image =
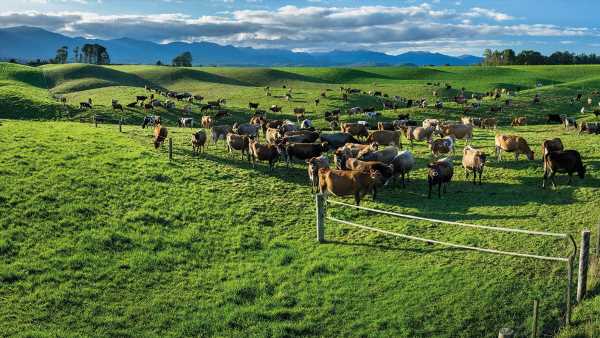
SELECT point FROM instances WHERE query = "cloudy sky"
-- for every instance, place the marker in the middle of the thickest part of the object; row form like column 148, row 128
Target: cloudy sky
column 449, row 26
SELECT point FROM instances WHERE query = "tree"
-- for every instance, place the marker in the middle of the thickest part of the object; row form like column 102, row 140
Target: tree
column 62, row 55
column 183, row 60
column 76, row 54
column 95, row 54
column 508, row 57
column 159, row 63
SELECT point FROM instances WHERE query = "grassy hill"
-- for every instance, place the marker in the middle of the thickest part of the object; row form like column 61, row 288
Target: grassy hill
column 101, row 235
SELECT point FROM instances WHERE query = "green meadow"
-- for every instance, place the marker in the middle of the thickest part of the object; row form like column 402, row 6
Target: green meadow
column 102, row 235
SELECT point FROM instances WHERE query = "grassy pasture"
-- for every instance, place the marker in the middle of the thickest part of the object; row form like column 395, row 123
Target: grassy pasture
column 101, row 235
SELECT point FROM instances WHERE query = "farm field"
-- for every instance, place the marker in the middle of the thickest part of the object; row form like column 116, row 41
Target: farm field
column 101, row 235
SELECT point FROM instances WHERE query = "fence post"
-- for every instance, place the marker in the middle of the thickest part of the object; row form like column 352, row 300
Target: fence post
column 584, row 258
column 506, row 332
column 170, row 148
column 120, row 125
column 95, row 122
column 320, row 203
column 570, row 281
column 534, row 329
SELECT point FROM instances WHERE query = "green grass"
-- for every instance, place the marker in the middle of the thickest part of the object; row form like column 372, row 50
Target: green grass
column 101, row 235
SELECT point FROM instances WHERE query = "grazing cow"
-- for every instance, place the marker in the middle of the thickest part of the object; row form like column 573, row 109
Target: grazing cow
column 85, row 105
column 458, row 131
column 519, row 121
column 386, row 170
column 336, row 140
column 160, row 134
column 141, row 98
column 440, row 173
column 473, row 160
column 385, row 137
column 512, row 144
column 314, row 164
column 238, row 142
column 275, row 109
column 553, row 118
column 247, row 129
column 403, row 163
column 442, row 146
column 152, row 119
column 263, row 152
column 564, row 162
column 253, row 105
column 489, row 123
column 221, row 114
column 219, row 132
column 349, row 183
column 198, row 98
column 185, row 122
column 589, row 127
column 385, row 155
column 554, row 144
column 198, row 141
column 207, row 122
column 302, row 151
column 417, row 133
column 355, row 129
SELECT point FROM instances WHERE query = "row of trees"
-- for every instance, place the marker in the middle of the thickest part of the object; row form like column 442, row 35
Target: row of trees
column 531, row 57
column 183, row 60
column 89, row 53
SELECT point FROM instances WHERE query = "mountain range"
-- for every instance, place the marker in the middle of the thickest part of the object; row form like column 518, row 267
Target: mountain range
column 29, row 43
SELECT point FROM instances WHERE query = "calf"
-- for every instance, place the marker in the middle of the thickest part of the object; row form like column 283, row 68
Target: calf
column 238, row 142
column 349, row 183
column 512, row 144
column 198, row 141
column 473, row 160
column 440, row 173
column 314, row 164
column 263, row 152
column 565, row 162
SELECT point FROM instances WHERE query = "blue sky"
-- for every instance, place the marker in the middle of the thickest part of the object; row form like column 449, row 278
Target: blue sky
column 449, row 26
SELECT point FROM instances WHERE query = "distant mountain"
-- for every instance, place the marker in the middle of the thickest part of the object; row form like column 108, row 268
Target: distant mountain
column 29, row 43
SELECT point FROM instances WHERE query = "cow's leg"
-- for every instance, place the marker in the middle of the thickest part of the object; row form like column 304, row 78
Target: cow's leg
column 552, row 179
column 480, row 174
column 403, row 180
column 516, row 156
column 499, row 153
column 570, row 178
column 374, row 193
column 440, row 190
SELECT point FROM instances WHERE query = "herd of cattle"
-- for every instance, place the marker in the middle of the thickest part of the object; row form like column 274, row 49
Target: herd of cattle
column 365, row 160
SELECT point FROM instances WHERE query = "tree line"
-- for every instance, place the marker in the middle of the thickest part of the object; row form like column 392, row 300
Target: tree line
column 532, row 57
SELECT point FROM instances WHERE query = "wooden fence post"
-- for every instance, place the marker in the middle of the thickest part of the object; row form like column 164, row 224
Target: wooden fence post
column 534, row 329
column 506, row 332
column 584, row 259
column 320, row 203
column 170, row 148
column 120, row 125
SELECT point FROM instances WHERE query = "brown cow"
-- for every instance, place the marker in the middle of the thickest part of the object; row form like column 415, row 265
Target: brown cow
column 519, row 121
column 554, row 144
column 386, row 170
column 385, row 155
column 302, row 151
column 355, row 129
column 442, row 146
column 349, row 183
column 417, row 133
column 489, row 123
column 458, row 131
column 566, row 162
column 512, row 144
column 160, row 134
column 263, row 152
column 207, row 122
column 314, row 164
column 385, row 126
column 198, row 141
column 385, row 137
column 440, row 173
column 238, row 142
column 473, row 160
